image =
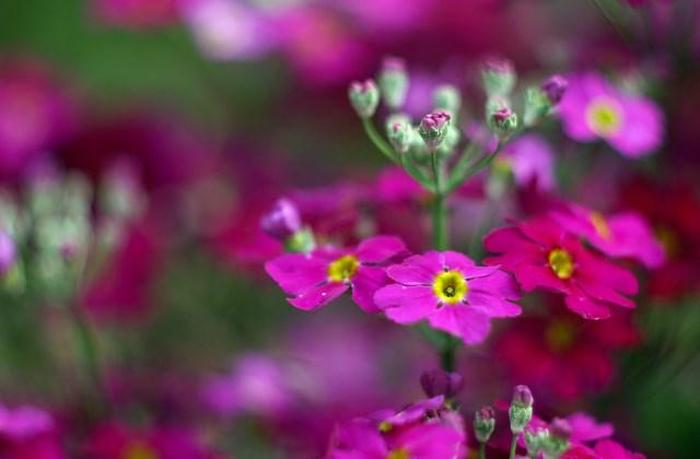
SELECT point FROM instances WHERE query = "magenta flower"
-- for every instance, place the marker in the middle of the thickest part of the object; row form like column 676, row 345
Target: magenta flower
column 531, row 160
column 542, row 255
column 604, row 449
column 625, row 234
column 592, row 108
column 318, row 278
column 361, row 439
column 451, row 292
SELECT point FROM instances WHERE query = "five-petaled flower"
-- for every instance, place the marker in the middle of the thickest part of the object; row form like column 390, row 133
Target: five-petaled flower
column 318, row 278
column 541, row 254
column 451, row 292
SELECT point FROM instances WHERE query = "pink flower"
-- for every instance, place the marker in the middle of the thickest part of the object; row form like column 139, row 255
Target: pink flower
column 542, row 255
column 318, row 278
column 362, row 439
column 593, row 109
column 621, row 235
column 531, row 160
column 563, row 355
column 28, row 432
column 451, row 292
column 604, row 449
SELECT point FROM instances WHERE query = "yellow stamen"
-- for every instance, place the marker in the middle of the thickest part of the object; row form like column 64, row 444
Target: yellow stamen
column 561, row 263
column 451, row 287
column 600, row 224
column 385, row 426
column 399, row 454
column 560, row 335
column 604, row 116
column 343, row 268
column 139, row 450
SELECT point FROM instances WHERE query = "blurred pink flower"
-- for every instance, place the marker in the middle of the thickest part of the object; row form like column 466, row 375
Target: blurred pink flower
column 320, row 277
column 624, row 234
column 543, row 255
column 136, row 13
column 36, row 114
column 592, row 108
column 28, row 432
column 531, row 160
column 451, row 292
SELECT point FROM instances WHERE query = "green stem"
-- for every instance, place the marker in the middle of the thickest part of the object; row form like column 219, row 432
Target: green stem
column 482, row 450
column 381, row 144
column 513, row 446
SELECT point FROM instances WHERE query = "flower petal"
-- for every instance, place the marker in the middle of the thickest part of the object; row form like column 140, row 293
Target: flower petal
column 296, row 272
column 492, row 306
column 587, row 307
column 379, row 248
column 316, row 297
column 405, row 304
column 472, row 326
column 365, row 283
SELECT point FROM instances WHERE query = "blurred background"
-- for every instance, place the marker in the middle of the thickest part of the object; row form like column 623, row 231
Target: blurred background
column 142, row 140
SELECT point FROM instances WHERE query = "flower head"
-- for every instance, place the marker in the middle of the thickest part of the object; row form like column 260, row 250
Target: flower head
column 451, row 292
column 433, row 128
column 542, row 255
column 624, row 234
column 364, row 97
column 318, row 278
column 593, row 109
column 531, row 161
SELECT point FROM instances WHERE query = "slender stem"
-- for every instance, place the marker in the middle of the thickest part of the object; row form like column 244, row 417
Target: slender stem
column 87, row 348
column 440, row 236
column 513, row 446
column 378, row 141
column 482, row 450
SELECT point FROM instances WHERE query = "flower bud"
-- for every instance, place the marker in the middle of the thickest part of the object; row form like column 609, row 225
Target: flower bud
column 400, row 133
column 498, row 77
column 503, row 121
column 447, row 97
column 282, row 220
column 557, row 441
column 433, row 128
column 364, row 97
column 484, row 424
column 554, row 88
column 439, row 382
column 302, row 241
column 8, row 252
column 393, row 82
column 536, row 106
column 520, row 411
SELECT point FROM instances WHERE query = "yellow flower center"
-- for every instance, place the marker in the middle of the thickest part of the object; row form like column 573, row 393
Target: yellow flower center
column 451, row 287
column 560, row 335
column 561, row 263
column 385, row 426
column 399, row 454
column 343, row 268
column 604, row 117
column 600, row 224
column 139, row 450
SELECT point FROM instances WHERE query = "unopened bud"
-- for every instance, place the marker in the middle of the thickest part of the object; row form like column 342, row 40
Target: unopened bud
column 364, row 97
column 393, row 82
column 536, row 106
column 400, row 132
column 439, row 382
column 498, row 77
column 302, row 241
column 520, row 411
column 484, row 424
column 433, row 128
column 557, row 442
column 503, row 121
column 282, row 220
column 447, row 97
column 554, row 88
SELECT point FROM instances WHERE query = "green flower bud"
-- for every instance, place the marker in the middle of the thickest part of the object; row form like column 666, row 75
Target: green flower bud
column 537, row 105
column 447, row 97
column 393, row 82
column 400, row 132
column 302, row 241
column 434, row 127
column 498, row 77
column 520, row 411
column 484, row 424
column 364, row 98
column 557, row 441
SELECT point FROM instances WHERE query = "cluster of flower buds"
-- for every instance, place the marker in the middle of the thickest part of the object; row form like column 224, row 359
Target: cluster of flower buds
column 283, row 222
column 550, row 442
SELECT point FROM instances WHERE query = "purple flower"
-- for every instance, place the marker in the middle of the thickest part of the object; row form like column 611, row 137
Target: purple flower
column 624, row 234
column 554, row 88
column 592, row 108
column 451, row 292
column 320, row 277
column 440, row 382
column 24, row 422
column 531, row 160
